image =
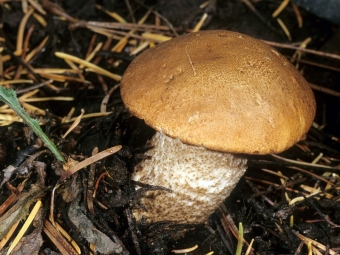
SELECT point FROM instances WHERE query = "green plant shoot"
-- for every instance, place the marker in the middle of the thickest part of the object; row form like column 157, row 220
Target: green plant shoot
column 9, row 97
column 240, row 239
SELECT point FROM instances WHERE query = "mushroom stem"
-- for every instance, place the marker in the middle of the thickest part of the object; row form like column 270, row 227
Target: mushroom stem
column 200, row 179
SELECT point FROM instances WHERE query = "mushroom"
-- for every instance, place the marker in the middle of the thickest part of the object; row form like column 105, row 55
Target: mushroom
column 212, row 97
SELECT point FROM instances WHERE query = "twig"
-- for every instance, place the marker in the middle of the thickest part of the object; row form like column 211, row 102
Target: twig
column 314, row 52
column 325, row 90
column 160, row 16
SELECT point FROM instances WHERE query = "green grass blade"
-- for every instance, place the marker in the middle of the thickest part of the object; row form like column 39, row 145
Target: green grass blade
column 9, row 97
column 240, row 239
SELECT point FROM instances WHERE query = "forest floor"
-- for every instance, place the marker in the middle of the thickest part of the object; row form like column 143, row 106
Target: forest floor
column 64, row 59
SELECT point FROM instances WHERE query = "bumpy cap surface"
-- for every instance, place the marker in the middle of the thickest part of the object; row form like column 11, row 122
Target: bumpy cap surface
column 222, row 90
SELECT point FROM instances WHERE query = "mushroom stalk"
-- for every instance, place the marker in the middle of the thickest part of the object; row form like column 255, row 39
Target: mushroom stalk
column 200, row 179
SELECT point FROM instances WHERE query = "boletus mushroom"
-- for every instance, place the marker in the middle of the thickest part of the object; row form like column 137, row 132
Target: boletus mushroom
column 212, row 97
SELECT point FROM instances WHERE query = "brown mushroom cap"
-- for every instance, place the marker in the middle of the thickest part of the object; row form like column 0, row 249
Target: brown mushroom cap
column 222, row 90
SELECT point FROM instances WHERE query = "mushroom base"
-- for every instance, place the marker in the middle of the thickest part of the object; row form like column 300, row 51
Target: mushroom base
column 200, row 180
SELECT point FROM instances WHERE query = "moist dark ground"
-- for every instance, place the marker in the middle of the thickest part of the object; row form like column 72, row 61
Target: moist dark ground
column 260, row 206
